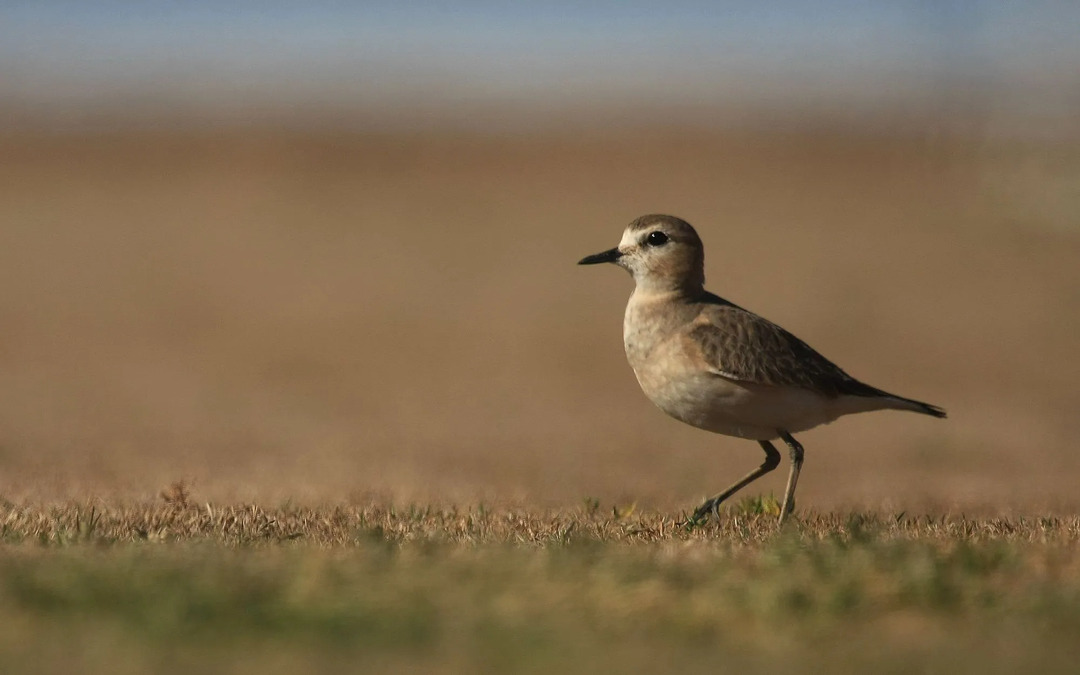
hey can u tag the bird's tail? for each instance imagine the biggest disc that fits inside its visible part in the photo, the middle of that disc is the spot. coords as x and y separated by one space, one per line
901 403
891 401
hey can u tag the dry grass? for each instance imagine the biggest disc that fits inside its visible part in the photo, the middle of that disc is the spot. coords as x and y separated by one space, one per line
176 586
751 522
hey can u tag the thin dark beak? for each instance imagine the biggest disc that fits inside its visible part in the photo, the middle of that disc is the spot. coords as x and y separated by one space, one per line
608 256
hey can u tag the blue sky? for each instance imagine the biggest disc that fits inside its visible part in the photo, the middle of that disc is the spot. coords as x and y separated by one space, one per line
90 53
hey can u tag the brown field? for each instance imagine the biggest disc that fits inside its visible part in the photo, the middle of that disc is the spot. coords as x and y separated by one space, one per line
334 318
279 401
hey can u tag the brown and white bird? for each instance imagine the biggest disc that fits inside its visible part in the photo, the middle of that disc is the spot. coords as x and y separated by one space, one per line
716 366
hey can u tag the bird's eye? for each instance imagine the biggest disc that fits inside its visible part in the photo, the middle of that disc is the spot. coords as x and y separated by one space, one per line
657 238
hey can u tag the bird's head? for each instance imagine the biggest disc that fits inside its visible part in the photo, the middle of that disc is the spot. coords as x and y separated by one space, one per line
662 253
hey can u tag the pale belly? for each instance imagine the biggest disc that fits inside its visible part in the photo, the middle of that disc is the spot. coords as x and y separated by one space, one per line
730 408
681 387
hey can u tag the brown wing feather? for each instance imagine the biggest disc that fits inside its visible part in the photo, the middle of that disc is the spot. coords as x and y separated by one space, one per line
743 346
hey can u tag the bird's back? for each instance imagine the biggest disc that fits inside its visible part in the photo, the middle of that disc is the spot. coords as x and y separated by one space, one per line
743 346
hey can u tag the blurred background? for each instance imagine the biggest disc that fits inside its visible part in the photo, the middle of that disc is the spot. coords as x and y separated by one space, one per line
325 251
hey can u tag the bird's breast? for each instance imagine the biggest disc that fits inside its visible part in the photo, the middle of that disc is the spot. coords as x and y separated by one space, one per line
645 327
670 376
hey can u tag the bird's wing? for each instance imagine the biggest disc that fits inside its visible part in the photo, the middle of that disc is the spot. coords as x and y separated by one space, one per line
742 346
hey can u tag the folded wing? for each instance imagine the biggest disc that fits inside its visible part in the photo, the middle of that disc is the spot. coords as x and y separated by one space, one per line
745 347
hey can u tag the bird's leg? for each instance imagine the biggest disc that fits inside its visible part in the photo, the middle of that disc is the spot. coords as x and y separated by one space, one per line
796 452
772 460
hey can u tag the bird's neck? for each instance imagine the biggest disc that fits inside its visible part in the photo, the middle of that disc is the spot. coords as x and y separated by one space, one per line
686 288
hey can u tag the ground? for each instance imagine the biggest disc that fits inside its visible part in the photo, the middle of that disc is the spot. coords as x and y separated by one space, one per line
178 587
408 438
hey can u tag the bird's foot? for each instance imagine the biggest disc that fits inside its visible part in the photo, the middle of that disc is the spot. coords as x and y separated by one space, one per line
711 507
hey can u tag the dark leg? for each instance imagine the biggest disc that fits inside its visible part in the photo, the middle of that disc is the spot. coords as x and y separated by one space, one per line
793 477
772 460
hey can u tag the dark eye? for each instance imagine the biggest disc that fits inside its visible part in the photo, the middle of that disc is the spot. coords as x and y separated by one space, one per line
656 238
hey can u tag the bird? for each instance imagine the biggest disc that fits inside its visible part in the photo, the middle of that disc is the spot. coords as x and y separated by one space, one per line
716 366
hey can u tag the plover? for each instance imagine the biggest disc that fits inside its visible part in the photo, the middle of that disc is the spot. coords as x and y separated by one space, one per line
716 366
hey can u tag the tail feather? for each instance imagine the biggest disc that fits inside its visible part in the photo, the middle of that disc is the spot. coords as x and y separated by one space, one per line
856 388
918 406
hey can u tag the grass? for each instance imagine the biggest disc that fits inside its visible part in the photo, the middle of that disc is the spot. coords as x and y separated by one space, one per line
175 586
